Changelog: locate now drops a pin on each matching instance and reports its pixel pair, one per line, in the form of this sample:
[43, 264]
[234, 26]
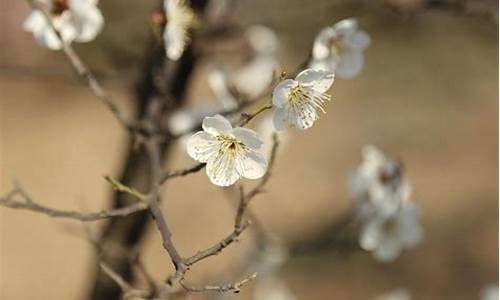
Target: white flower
[340, 48]
[75, 20]
[218, 83]
[378, 184]
[490, 292]
[298, 100]
[230, 153]
[398, 294]
[258, 74]
[180, 19]
[387, 236]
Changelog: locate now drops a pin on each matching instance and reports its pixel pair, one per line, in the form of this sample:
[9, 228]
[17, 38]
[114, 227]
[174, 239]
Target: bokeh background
[428, 95]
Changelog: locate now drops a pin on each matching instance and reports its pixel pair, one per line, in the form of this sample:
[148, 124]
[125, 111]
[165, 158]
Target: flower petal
[350, 64]
[216, 125]
[369, 238]
[319, 80]
[202, 146]
[280, 119]
[304, 119]
[345, 27]
[282, 91]
[248, 137]
[321, 47]
[389, 249]
[360, 40]
[255, 165]
[222, 169]
[88, 19]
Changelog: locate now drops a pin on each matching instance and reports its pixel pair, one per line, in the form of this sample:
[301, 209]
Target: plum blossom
[387, 236]
[378, 183]
[258, 74]
[230, 153]
[74, 20]
[180, 18]
[298, 100]
[339, 48]
[389, 220]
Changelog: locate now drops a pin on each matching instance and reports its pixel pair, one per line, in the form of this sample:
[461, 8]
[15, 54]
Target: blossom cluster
[230, 153]
[390, 220]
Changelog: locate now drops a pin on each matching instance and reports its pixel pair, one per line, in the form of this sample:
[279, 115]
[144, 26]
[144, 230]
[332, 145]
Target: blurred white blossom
[339, 48]
[75, 20]
[398, 294]
[230, 153]
[390, 221]
[378, 184]
[219, 84]
[298, 100]
[258, 74]
[490, 292]
[387, 236]
[180, 19]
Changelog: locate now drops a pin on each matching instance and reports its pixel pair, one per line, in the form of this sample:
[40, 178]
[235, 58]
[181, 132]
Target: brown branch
[128, 291]
[183, 172]
[29, 204]
[239, 223]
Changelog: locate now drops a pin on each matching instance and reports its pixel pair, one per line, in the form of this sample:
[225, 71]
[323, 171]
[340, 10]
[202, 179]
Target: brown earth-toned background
[428, 95]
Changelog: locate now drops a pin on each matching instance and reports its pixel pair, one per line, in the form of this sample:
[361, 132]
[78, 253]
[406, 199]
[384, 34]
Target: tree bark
[121, 235]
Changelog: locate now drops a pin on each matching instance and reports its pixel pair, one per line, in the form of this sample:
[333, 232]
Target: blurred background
[428, 95]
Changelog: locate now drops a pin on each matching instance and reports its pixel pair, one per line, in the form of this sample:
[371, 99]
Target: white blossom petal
[248, 137]
[321, 47]
[388, 250]
[216, 125]
[360, 40]
[88, 19]
[350, 64]
[255, 165]
[180, 19]
[319, 80]
[202, 146]
[346, 27]
[222, 170]
[280, 119]
[282, 91]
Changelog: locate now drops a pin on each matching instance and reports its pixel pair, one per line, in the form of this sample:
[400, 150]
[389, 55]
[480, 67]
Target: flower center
[389, 226]
[336, 45]
[229, 144]
[59, 6]
[305, 100]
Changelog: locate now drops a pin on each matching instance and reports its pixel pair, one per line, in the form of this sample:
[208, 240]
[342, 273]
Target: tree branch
[29, 204]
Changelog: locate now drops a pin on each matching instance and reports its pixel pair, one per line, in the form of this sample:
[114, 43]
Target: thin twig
[27, 203]
[83, 70]
[182, 172]
[239, 224]
[153, 151]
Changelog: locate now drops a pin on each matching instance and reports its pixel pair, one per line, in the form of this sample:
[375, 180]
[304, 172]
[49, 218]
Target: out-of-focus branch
[84, 71]
[27, 203]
